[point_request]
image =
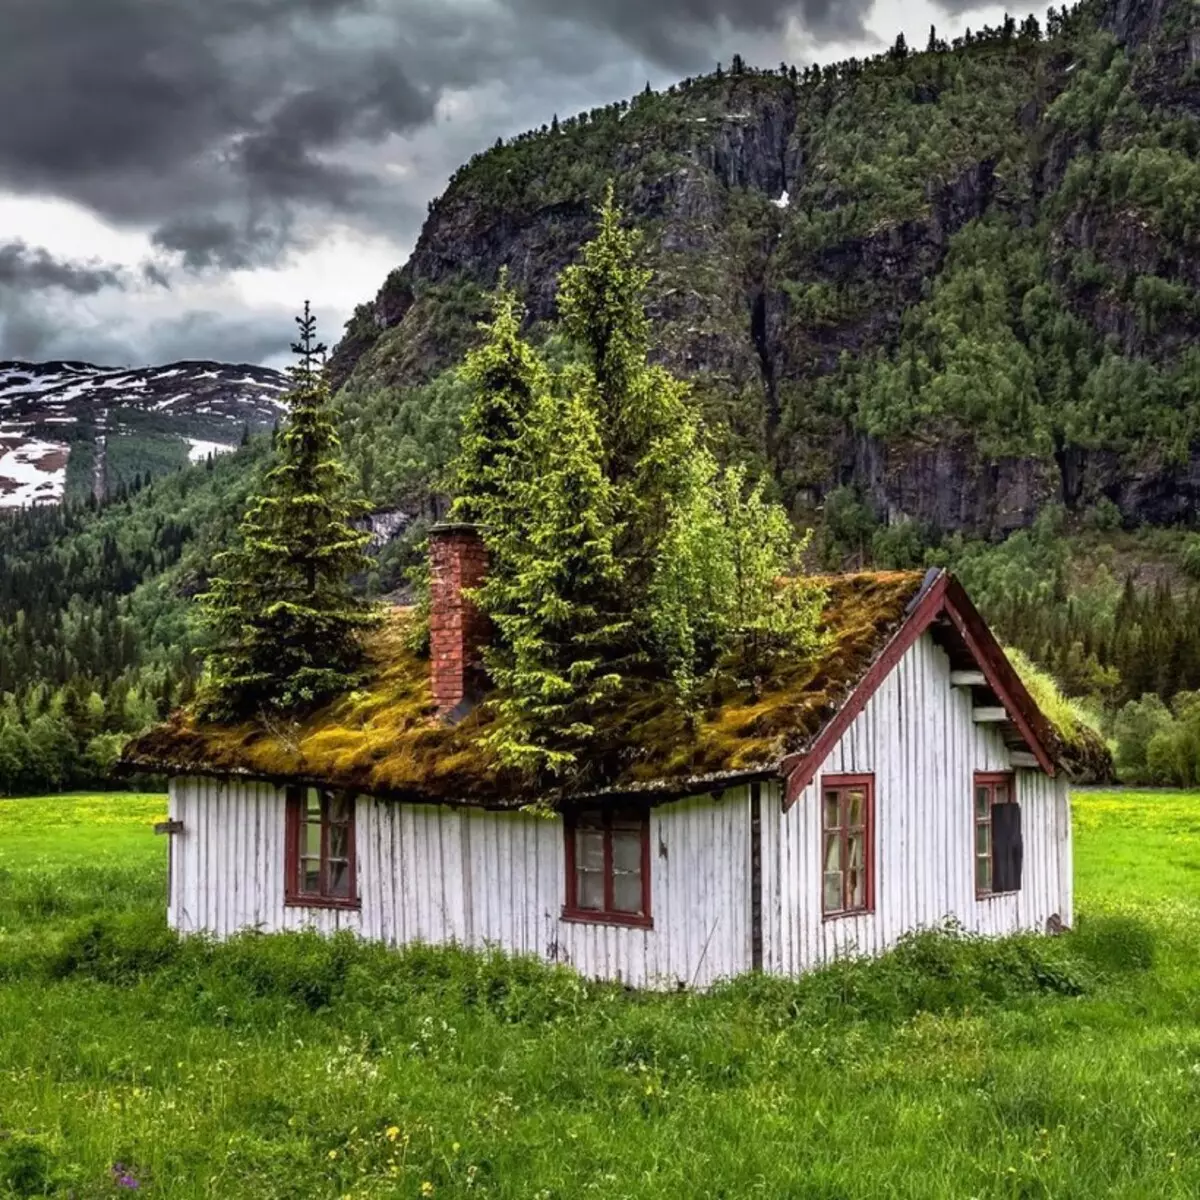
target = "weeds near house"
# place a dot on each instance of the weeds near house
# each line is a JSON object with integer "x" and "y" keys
{"x": 297, "y": 1067}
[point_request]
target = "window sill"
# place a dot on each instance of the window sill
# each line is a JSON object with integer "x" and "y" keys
{"x": 981, "y": 896}
{"x": 847, "y": 913}
{"x": 627, "y": 921}
{"x": 321, "y": 902}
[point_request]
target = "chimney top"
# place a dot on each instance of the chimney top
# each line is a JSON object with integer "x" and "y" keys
{"x": 458, "y": 631}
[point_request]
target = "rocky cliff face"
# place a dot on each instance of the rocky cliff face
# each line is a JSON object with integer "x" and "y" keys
{"x": 795, "y": 224}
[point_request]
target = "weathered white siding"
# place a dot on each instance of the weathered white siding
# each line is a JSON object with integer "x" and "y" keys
{"x": 438, "y": 874}
{"x": 918, "y": 738}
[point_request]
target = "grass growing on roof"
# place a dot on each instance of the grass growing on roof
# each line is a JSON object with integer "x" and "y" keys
{"x": 383, "y": 739}
{"x": 288, "y": 1067}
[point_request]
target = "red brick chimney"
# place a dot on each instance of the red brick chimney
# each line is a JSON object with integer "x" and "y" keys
{"x": 458, "y": 631}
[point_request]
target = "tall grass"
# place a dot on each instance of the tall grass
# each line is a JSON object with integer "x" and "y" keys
{"x": 297, "y": 1067}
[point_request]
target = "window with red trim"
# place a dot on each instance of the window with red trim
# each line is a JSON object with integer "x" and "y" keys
{"x": 847, "y": 834}
{"x": 998, "y": 844}
{"x": 320, "y": 849}
{"x": 608, "y": 866}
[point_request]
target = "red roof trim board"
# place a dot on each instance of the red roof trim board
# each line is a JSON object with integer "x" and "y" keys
{"x": 943, "y": 595}
{"x": 1001, "y": 677}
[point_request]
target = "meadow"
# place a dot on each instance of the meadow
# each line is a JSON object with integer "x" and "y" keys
{"x": 291, "y": 1067}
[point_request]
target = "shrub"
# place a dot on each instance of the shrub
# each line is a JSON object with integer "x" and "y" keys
{"x": 1136, "y": 725}
{"x": 118, "y": 949}
{"x": 27, "y": 1167}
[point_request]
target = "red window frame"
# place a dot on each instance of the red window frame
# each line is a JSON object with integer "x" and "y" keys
{"x": 296, "y": 890}
{"x": 602, "y": 820}
{"x": 989, "y": 780}
{"x": 840, "y": 786}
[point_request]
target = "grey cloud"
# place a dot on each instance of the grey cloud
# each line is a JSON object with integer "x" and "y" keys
{"x": 205, "y": 242}
{"x": 254, "y": 336}
{"x": 685, "y": 34}
{"x": 234, "y": 131}
{"x": 27, "y": 268}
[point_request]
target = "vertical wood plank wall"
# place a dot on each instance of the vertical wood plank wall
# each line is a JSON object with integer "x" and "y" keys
{"x": 918, "y": 737}
{"x": 437, "y": 874}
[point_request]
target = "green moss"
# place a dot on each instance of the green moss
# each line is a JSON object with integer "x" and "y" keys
{"x": 384, "y": 738}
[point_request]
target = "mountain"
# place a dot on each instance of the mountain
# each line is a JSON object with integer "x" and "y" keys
{"x": 948, "y": 300}
{"x": 961, "y": 284}
{"x": 71, "y": 428}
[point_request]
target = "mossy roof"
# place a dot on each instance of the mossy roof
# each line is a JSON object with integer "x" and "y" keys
{"x": 384, "y": 740}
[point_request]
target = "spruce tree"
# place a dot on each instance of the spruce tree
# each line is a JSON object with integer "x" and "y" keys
{"x": 549, "y": 595}
{"x": 647, "y": 426}
{"x": 508, "y": 380}
{"x": 592, "y": 486}
{"x": 285, "y": 624}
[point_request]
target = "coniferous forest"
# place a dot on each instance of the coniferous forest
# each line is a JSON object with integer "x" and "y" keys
{"x": 942, "y": 304}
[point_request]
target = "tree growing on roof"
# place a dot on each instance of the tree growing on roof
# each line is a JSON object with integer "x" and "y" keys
{"x": 284, "y": 625}
{"x": 618, "y": 546}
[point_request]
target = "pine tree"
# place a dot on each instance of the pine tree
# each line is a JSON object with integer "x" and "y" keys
{"x": 508, "y": 380}
{"x": 553, "y": 658}
{"x": 646, "y": 425}
{"x": 586, "y": 483}
{"x": 285, "y": 625}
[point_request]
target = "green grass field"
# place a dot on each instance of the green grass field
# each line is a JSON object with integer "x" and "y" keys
{"x": 291, "y": 1067}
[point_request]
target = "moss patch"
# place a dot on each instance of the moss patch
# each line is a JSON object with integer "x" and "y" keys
{"x": 384, "y": 739}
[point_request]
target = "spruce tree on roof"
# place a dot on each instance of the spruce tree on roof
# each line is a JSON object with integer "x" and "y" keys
{"x": 285, "y": 624}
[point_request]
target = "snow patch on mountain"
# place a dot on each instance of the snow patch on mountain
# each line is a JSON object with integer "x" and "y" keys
{"x": 207, "y": 405}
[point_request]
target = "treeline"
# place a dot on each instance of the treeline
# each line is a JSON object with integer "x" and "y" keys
{"x": 95, "y": 631}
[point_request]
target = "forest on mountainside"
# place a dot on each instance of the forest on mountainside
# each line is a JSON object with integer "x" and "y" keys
{"x": 945, "y": 301}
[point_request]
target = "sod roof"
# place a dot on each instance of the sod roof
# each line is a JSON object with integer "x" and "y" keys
{"x": 384, "y": 739}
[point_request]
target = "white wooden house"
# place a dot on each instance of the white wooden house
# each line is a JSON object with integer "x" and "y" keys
{"x": 906, "y": 778}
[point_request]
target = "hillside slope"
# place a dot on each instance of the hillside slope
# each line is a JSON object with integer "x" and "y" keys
{"x": 74, "y": 429}
{"x": 963, "y": 281}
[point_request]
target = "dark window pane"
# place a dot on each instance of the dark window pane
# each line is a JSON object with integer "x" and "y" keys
{"x": 833, "y": 852}
{"x": 982, "y": 795}
{"x": 339, "y": 841}
{"x": 627, "y": 893}
{"x": 590, "y": 820}
{"x": 313, "y": 804}
{"x": 856, "y": 806}
{"x": 310, "y": 875}
{"x": 832, "y": 810}
{"x": 339, "y": 880}
{"x": 983, "y": 839}
{"x": 341, "y": 806}
{"x": 312, "y": 840}
{"x": 983, "y": 874}
{"x": 590, "y": 890}
{"x": 856, "y": 874}
{"x": 1001, "y": 794}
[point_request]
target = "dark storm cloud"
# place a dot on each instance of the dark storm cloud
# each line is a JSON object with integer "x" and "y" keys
{"x": 154, "y": 113}
{"x": 686, "y": 34}
{"x": 146, "y": 111}
{"x": 25, "y": 268}
{"x": 235, "y": 132}
{"x": 203, "y": 242}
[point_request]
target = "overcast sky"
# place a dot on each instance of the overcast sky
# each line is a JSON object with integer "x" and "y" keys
{"x": 177, "y": 176}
